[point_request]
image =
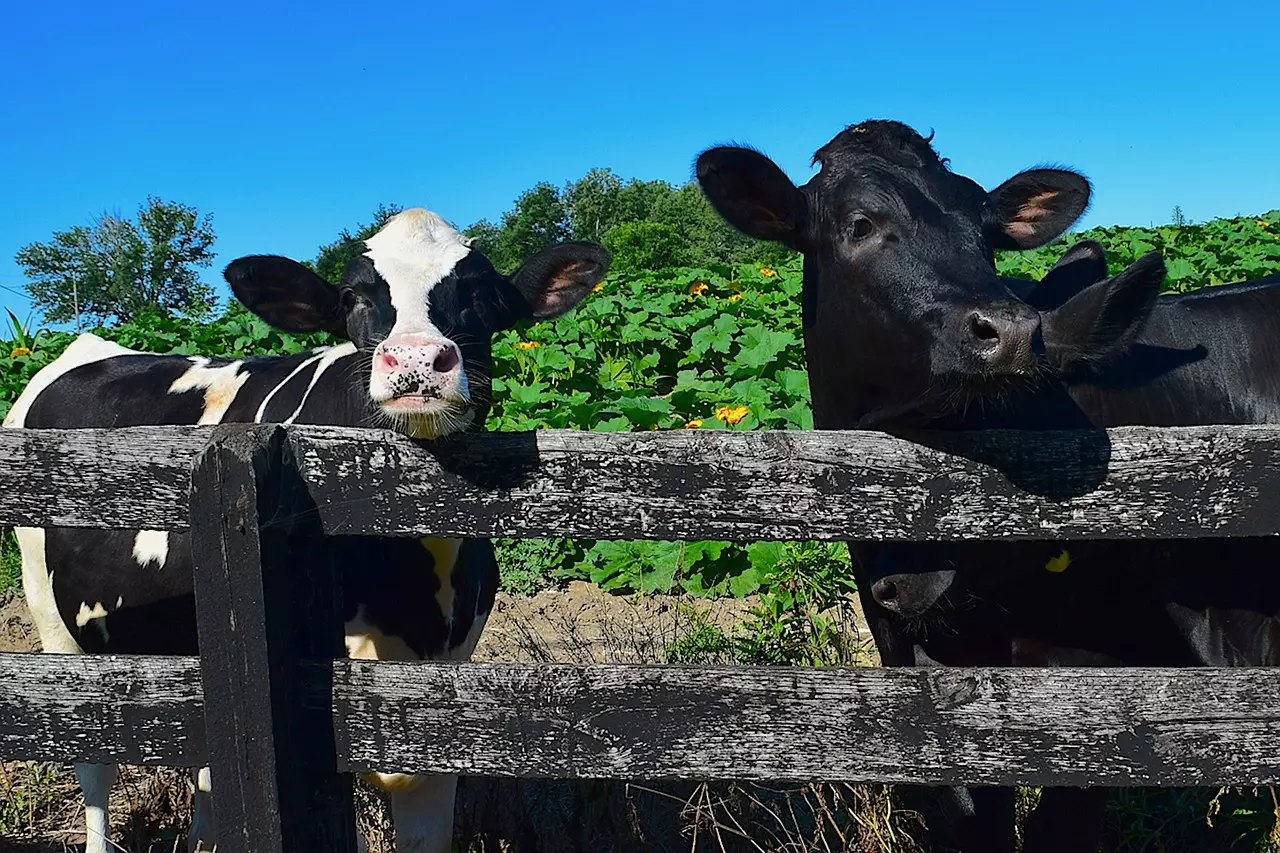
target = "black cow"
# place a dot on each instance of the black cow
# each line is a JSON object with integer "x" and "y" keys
{"x": 876, "y": 231}
{"x": 904, "y": 317}
{"x": 417, "y": 309}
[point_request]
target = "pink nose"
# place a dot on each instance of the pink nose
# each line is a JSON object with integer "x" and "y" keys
{"x": 417, "y": 353}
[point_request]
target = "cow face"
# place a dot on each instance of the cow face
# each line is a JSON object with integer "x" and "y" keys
{"x": 903, "y": 311}
{"x": 420, "y": 306}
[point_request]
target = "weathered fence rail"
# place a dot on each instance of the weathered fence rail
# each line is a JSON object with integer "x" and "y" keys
{"x": 280, "y": 721}
{"x": 1134, "y": 482}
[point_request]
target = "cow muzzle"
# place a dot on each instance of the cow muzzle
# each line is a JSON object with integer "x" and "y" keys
{"x": 416, "y": 374}
{"x": 912, "y": 594}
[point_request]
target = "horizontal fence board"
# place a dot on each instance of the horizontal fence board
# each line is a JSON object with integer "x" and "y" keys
{"x": 690, "y": 484}
{"x": 101, "y": 708}
{"x": 695, "y": 484}
{"x": 129, "y": 478}
{"x": 1115, "y": 727}
{"x": 996, "y": 726}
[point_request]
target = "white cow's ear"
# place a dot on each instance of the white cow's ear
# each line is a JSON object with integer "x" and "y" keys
{"x": 286, "y": 294}
{"x": 556, "y": 279}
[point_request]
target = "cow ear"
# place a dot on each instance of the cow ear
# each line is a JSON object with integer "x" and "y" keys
{"x": 1083, "y": 264}
{"x": 753, "y": 194}
{"x": 557, "y": 279}
{"x": 1035, "y": 206}
{"x": 1098, "y": 324}
{"x": 286, "y": 294}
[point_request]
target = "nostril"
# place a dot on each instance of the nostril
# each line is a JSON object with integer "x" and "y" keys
{"x": 983, "y": 329}
{"x": 885, "y": 592}
{"x": 446, "y": 360}
{"x": 387, "y": 360}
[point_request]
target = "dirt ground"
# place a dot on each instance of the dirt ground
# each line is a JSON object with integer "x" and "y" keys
{"x": 40, "y": 811}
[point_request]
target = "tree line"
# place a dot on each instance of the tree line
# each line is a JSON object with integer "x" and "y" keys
{"x": 116, "y": 269}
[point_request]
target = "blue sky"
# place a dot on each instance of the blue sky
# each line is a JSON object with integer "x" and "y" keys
{"x": 289, "y": 121}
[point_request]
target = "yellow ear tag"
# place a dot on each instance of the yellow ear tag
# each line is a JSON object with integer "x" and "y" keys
{"x": 1059, "y": 563}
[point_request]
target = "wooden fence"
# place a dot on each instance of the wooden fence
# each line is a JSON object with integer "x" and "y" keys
{"x": 282, "y": 722}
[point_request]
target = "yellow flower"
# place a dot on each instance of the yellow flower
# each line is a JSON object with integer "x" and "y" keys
{"x": 1262, "y": 223}
{"x": 528, "y": 344}
{"x": 737, "y": 297}
{"x": 599, "y": 287}
{"x": 767, "y": 273}
{"x": 1059, "y": 563}
{"x": 19, "y": 351}
{"x": 698, "y": 288}
{"x": 731, "y": 414}
{"x": 693, "y": 424}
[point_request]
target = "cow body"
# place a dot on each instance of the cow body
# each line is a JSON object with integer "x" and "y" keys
{"x": 131, "y": 592}
{"x": 905, "y": 322}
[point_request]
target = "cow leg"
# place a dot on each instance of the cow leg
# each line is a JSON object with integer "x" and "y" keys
{"x": 204, "y": 832}
{"x": 423, "y": 815}
{"x": 1067, "y": 820}
{"x": 95, "y": 782}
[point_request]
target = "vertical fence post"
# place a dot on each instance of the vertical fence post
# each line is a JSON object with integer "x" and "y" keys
{"x": 268, "y": 596}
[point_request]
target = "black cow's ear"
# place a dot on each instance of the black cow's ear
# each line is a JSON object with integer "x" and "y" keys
{"x": 286, "y": 294}
{"x": 1084, "y": 264}
{"x": 753, "y": 194}
{"x": 1098, "y": 325}
{"x": 1035, "y": 206}
{"x": 556, "y": 279}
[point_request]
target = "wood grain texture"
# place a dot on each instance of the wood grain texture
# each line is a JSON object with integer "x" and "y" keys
{"x": 102, "y": 709}
{"x": 127, "y": 479}
{"x": 691, "y": 484}
{"x": 1110, "y": 727}
{"x": 1073, "y": 727}
{"x": 260, "y": 613}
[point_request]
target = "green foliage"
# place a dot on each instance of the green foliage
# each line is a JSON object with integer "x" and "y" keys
{"x": 644, "y": 245}
{"x": 117, "y": 270}
{"x": 10, "y": 561}
{"x": 1215, "y": 252}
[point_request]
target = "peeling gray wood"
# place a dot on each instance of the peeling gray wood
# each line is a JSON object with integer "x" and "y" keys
{"x": 128, "y": 479}
{"x": 1131, "y": 482}
{"x": 691, "y": 484}
{"x": 101, "y": 708}
{"x": 1073, "y": 727}
{"x": 1111, "y": 727}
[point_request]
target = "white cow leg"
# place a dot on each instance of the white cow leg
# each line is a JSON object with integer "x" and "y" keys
{"x": 204, "y": 831}
{"x": 95, "y": 782}
{"x": 423, "y": 815}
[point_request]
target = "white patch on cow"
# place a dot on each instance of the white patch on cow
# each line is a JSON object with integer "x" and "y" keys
{"x": 37, "y": 586}
{"x": 262, "y": 409}
{"x": 444, "y": 556}
{"x": 86, "y": 349}
{"x": 423, "y": 815}
{"x": 220, "y": 384}
{"x": 413, "y": 252}
{"x": 97, "y": 615}
{"x": 96, "y": 781}
{"x": 324, "y": 363}
{"x": 151, "y": 546}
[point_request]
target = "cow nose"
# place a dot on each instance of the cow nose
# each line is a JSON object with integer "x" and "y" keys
{"x": 418, "y": 354}
{"x": 1006, "y": 339}
{"x": 885, "y": 592}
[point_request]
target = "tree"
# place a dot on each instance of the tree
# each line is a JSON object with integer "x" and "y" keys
{"x": 593, "y": 204}
{"x": 116, "y": 269}
{"x": 539, "y": 219}
{"x": 645, "y": 245}
{"x": 484, "y": 237}
{"x": 333, "y": 257}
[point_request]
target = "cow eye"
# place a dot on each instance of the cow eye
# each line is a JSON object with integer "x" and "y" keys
{"x": 861, "y": 227}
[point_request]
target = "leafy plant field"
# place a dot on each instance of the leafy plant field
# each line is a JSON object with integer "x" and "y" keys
{"x": 714, "y": 347}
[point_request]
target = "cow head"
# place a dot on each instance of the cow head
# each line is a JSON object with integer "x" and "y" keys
{"x": 902, "y": 307}
{"x": 420, "y": 305}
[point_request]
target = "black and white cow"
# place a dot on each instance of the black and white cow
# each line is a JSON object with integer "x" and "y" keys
{"x": 417, "y": 310}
